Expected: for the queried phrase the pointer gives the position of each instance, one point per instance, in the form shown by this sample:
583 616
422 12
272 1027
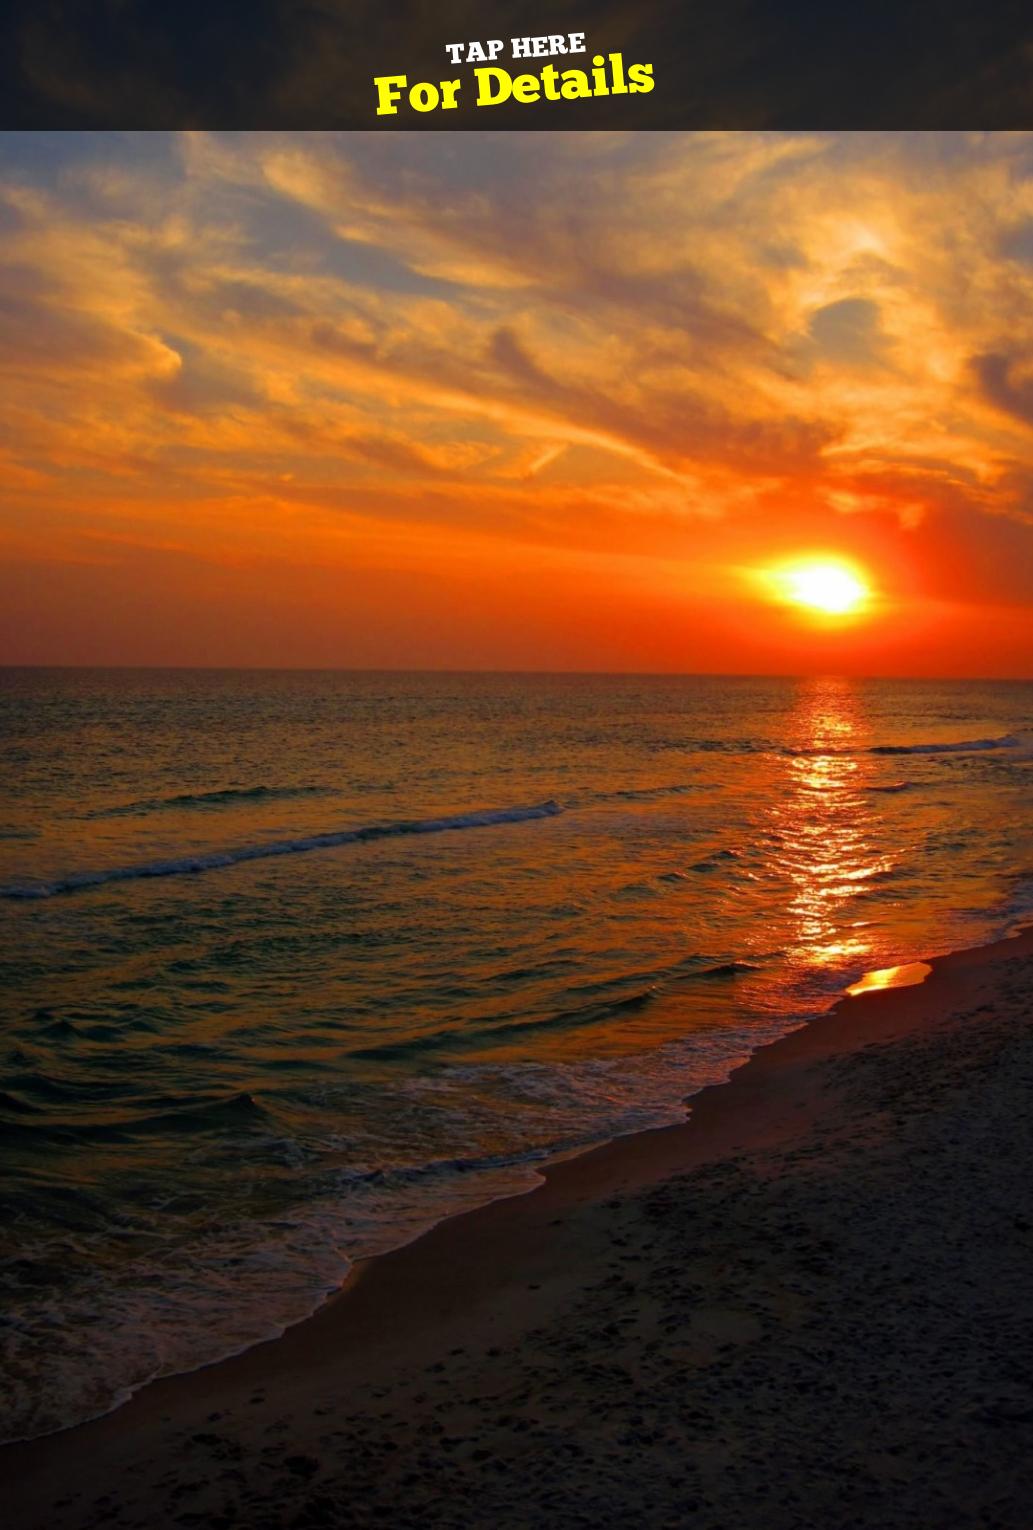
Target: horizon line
397 669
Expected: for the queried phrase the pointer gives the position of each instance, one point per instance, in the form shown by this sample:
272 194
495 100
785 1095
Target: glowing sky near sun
516 400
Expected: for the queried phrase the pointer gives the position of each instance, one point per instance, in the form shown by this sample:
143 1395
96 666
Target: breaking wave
219 858
965 746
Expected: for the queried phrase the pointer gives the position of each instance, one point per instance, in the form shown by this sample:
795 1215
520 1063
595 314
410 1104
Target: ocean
294 964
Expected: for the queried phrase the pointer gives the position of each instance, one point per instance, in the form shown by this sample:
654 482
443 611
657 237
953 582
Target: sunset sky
542 400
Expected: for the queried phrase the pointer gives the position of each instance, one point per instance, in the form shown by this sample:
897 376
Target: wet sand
811 1306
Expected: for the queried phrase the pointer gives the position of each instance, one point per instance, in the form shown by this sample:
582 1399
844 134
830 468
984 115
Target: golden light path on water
821 828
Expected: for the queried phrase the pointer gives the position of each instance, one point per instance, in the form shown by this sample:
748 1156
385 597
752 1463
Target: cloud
848 331
1007 382
577 341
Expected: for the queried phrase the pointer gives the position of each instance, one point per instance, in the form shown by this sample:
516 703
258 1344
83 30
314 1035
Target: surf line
211 861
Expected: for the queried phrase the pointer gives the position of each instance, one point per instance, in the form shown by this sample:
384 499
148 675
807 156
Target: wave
964 746
607 1003
714 860
505 1030
211 1113
723 969
794 751
717 746
226 796
959 746
893 786
636 794
76 881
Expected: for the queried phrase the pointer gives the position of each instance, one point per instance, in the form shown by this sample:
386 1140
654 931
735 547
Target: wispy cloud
628 345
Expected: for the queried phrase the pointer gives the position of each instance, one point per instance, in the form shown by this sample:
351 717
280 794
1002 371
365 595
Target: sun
831 587
828 585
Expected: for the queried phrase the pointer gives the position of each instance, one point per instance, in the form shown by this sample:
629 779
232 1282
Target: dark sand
812 1306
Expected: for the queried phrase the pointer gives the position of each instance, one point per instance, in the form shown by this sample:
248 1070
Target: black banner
409 65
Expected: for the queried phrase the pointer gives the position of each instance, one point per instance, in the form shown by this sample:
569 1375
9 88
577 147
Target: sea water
296 963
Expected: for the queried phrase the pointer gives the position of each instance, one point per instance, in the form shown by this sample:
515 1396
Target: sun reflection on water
904 976
821 830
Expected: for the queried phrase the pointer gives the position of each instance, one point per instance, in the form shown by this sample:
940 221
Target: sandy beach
808 1307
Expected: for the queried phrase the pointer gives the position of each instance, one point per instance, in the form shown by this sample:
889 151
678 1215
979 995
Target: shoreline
434 1323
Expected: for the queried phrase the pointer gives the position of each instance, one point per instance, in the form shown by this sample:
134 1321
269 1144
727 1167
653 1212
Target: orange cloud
603 362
